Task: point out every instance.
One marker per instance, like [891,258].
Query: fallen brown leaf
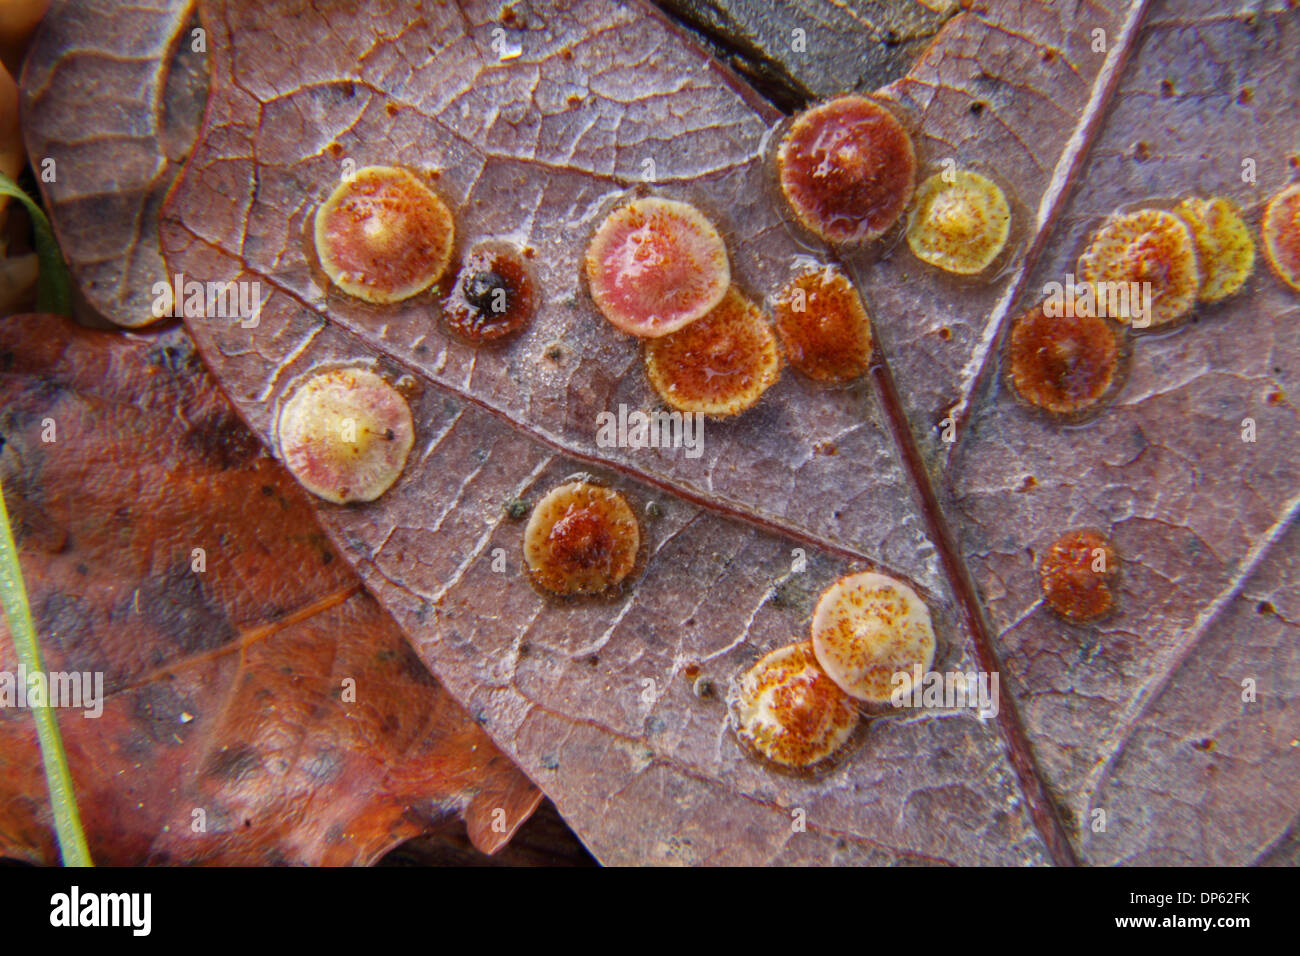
[251,685]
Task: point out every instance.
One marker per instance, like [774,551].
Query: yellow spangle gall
[866,628]
[789,712]
[581,538]
[1077,575]
[1223,245]
[494,297]
[847,169]
[656,265]
[823,326]
[960,222]
[1281,229]
[1147,249]
[345,434]
[383,235]
[1063,364]
[720,365]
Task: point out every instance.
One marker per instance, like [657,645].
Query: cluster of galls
[658,269]
[384,236]
[1199,251]
[798,705]
[847,170]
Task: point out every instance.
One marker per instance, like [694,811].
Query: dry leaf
[258,706]
[537,115]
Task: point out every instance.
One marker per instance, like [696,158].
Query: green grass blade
[54,287]
[63,801]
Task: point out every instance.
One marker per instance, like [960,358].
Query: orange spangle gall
[1281,230]
[1223,245]
[720,365]
[655,266]
[960,222]
[345,434]
[789,712]
[383,235]
[823,326]
[1148,248]
[581,539]
[494,296]
[1078,575]
[847,169]
[866,628]
[1062,364]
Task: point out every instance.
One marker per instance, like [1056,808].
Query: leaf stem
[63,800]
